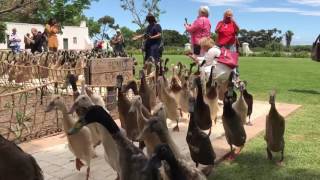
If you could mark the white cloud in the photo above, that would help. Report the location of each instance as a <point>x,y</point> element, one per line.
<point>283,10</point>
<point>272,9</point>
<point>310,13</point>
<point>225,2</point>
<point>306,2</point>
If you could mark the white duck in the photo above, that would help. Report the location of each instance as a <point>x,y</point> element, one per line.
<point>79,144</point>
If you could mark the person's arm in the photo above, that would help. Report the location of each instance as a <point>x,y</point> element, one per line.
<point>37,40</point>
<point>193,27</point>
<point>236,27</point>
<point>11,38</point>
<point>196,59</point>
<point>157,36</point>
<point>219,26</point>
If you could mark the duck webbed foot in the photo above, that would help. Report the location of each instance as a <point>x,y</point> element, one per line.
<point>118,177</point>
<point>249,123</point>
<point>231,155</point>
<point>237,151</point>
<point>79,164</point>
<point>280,163</point>
<point>88,173</point>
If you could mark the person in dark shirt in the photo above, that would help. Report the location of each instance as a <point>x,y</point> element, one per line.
<point>37,40</point>
<point>153,38</point>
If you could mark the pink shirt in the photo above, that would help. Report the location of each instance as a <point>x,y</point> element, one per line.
<point>200,28</point>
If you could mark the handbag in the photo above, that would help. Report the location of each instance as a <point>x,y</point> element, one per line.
<point>315,53</point>
<point>228,58</point>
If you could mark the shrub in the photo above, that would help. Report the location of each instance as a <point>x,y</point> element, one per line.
<point>302,54</point>
<point>275,46</point>
<point>301,48</point>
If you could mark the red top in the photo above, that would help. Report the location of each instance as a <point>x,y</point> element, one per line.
<point>226,33</point>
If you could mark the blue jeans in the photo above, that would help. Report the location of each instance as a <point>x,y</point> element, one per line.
<point>15,49</point>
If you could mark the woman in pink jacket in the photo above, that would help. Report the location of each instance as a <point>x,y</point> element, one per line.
<point>199,29</point>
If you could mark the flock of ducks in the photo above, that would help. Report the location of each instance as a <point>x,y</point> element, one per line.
<point>143,121</point>
<point>23,67</point>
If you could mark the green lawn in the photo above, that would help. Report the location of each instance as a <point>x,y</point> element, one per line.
<point>296,81</point>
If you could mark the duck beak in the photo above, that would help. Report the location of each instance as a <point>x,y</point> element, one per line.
<point>76,127</point>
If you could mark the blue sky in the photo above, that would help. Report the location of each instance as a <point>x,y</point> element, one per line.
<point>300,16</point>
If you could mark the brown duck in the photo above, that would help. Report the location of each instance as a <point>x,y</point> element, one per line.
<point>275,127</point>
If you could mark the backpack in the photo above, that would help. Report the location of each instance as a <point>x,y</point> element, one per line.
<point>315,52</point>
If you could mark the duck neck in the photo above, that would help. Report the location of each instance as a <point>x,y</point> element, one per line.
<point>74,87</point>
<point>166,138</point>
<point>142,83</point>
<point>273,107</point>
<point>200,93</point>
<point>241,95</point>
<point>106,121</point>
<point>120,95</point>
<point>68,122</point>
<point>227,108</point>
<point>141,118</point>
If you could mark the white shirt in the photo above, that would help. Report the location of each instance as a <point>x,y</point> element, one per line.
<point>14,40</point>
<point>211,59</point>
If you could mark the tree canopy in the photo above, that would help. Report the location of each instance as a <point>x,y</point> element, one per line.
<point>66,12</point>
<point>260,38</point>
<point>174,38</point>
<point>140,11</point>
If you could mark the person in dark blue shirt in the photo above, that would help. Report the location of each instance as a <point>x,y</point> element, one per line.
<point>152,44</point>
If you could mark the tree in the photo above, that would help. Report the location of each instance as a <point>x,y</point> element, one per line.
<point>3,29</point>
<point>107,23</point>
<point>66,12</point>
<point>274,46</point>
<point>174,38</point>
<point>260,38</point>
<point>140,12</point>
<point>93,26</point>
<point>127,35</point>
<point>13,5</point>
<point>289,34</point>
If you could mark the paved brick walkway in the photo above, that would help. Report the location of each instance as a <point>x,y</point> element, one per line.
<point>57,162</point>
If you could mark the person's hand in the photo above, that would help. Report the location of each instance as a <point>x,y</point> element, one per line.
<point>148,36</point>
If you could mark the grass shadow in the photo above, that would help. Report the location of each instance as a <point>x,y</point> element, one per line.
<point>255,165</point>
<point>314,92</point>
